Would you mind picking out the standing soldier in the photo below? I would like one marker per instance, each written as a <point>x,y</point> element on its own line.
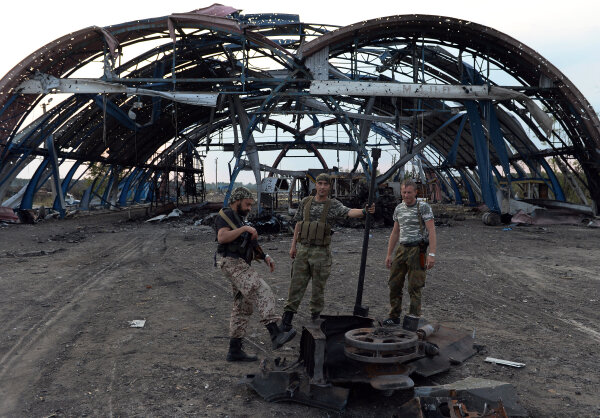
<point>234,255</point>
<point>413,224</point>
<point>310,247</point>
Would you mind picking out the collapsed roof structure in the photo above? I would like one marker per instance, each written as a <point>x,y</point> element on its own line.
<point>476,108</point>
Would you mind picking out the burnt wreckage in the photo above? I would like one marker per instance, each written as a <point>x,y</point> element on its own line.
<point>339,351</point>
<point>474,109</point>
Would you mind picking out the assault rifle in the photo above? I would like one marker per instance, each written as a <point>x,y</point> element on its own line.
<point>251,248</point>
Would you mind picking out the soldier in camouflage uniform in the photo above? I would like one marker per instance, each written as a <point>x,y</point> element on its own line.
<point>310,248</point>
<point>413,223</point>
<point>249,289</point>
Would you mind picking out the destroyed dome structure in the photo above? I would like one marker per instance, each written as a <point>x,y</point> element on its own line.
<point>144,102</point>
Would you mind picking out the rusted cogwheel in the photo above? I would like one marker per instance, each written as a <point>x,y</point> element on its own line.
<point>381,339</point>
<point>381,345</point>
<point>381,357</point>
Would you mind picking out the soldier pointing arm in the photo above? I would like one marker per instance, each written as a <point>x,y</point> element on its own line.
<point>310,247</point>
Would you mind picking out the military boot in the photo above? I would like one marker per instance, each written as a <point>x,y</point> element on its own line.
<point>286,320</point>
<point>314,316</point>
<point>236,353</point>
<point>278,336</point>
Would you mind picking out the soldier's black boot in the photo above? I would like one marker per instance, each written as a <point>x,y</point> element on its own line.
<point>278,336</point>
<point>286,320</point>
<point>236,353</point>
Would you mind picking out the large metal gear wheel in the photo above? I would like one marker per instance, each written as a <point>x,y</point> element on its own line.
<point>381,345</point>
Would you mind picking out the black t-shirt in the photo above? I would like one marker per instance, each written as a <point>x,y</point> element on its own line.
<point>222,223</point>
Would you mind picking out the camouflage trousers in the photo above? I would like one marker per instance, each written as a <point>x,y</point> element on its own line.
<point>406,261</point>
<point>249,291</point>
<point>311,262</point>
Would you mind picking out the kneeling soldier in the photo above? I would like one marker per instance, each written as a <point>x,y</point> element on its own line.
<point>234,255</point>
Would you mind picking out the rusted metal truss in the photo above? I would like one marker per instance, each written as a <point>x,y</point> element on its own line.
<point>471,107</point>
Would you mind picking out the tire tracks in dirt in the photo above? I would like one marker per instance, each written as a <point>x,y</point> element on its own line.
<point>23,356</point>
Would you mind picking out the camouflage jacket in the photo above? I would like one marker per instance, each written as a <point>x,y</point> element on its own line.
<point>408,221</point>
<point>336,211</point>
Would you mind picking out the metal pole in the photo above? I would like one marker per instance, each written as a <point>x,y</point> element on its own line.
<point>216,170</point>
<point>358,308</point>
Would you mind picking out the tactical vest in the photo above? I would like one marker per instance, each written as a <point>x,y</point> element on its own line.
<point>233,248</point>
<point>315,232</point>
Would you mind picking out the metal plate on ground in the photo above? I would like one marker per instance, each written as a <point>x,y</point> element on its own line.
<point>454,348</point>
<point>278,386</point>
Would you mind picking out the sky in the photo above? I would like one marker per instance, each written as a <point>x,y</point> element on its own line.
<point>566,33</point>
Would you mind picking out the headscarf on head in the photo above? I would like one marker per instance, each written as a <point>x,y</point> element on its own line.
<point>240,193</point>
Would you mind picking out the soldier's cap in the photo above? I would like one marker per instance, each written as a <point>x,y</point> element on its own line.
<point>323,177</point>
<point>240,193</point>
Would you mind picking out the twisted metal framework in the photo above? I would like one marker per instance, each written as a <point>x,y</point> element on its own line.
<point>475,107</point>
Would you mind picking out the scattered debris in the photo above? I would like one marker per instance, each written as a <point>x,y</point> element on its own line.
<point>491,218</point>
<point>434,407</point>
<point>175,213</point>
<point>137,323</point>
<point>338,351</point>
<point>27,216</point>
<point>479,394</point>
<point>504,362</point>
<point>271,224</point>
<point>8,215</point>
<point>594,223</point>
<point>158,218</point>
<point>548,217</point>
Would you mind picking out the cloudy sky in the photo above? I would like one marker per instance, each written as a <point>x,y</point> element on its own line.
<point>567,33</point>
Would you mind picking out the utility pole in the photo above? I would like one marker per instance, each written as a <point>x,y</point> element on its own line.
<point>216,171</point>
<point>52,184</point>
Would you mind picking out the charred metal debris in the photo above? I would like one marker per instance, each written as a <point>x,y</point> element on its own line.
<point>339,352</point>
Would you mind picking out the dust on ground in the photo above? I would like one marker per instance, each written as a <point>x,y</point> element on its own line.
<point>70,288</point>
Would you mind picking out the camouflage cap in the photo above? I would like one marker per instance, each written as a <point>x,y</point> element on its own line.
<point>323,177</point>
<point>240,193</point>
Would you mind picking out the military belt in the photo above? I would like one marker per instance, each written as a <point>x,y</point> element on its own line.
<point>410,244</point>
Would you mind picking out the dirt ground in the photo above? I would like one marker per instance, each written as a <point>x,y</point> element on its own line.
<point>70,288</point>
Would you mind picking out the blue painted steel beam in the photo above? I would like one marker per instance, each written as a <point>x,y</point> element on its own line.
<point>109,185</point>
<point>480,144</point>
<point>457,196</point>
<point>556,188</point>
<point>95,191</point>
<point>59,203</point>
<point>467,183</point>
<point>87,196</point>
<point>496,136</point>
<point>451,158</point>
<point>126,184</point>
<point>66,183</point>
<point>115,111</point>
<point>40,131</point>
<point>22,158</point>
<point>27,200</point>
<point>482,155</point>
<point>246,135</point>
<point>141,185</point>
